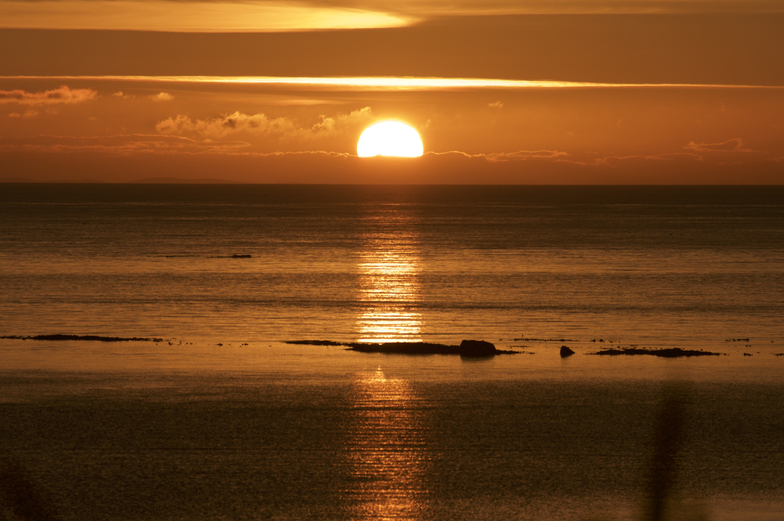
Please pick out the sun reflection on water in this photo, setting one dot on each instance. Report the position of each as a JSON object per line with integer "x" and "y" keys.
{"x": 387, "y": 454}
{"x": 389, "y": 287}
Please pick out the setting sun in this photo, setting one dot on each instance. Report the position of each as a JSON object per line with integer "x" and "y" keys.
{"x": 219, "y": 223}
{"x": 390, "y": 138}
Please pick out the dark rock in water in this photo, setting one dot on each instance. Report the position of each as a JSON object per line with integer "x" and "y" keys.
{"x": 476, "y": 348}
{"x": 565, "y": 351}
{"x": 241, "y": 256}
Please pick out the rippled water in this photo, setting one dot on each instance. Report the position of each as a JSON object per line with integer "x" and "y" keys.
{"x": 222, "y": 420}
{"x": 662, "y": 266}
{"x": 377, "y": 445}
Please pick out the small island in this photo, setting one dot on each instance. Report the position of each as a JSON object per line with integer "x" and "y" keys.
{"x": 467, "y": 348}
{"x": 670, "y": 352}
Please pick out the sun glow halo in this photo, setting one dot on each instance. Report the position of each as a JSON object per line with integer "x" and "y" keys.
{"x": 390, "y": 138}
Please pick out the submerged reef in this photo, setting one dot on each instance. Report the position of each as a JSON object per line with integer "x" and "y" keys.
{"x": 671, "y": 352}
{"x": 315, "y": 343}
{"x": 467, "y": 348}
{"x": 93, "y": 338}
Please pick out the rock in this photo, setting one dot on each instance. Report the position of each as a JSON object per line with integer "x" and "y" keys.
{"x": 565, "y": 351}
{"x": 476, "y": 348}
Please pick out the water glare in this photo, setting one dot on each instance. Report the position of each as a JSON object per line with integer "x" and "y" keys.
{"x": 386, "y": 448}
{"x": 389, "y": 281}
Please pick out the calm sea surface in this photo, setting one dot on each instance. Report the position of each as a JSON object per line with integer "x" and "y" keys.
{"x": 223, "y": 420}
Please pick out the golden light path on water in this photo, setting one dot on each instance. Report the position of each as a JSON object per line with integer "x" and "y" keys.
{"x": 387, "y": 437}
{"x": 389, "y": 286}
{"x": 389, "y": 290}
{"x": 387, "y": 454}
{"x": 379, "y": 82}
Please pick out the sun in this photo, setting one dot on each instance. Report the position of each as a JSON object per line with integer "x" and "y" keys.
{"x": 390, "y": 138}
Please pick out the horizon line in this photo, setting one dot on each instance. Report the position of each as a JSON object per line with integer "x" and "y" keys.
{"x": 213, "y": 181}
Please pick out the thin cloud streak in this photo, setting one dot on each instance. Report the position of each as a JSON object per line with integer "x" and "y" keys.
{"x": 121, "y": 144}
{"x": 389, "y": 83}
{"x": 731, "y": 145}
{"x": 198, "y": 16}
{"x": 503, "y": 157}
{"x": 222, "y": 15}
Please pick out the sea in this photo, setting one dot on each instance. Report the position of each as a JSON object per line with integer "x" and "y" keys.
{"x": 210, "y": 413}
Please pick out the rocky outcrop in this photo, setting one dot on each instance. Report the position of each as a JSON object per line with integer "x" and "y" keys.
{"x": 468, "y": 348}
{"x": 565, "y": 351}
{"x": 474, "y": 348}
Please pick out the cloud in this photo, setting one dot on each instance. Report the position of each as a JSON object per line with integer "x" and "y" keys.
{"x": 237, "y": 15}
{"x": 522, "y": 155}
{"x": 29, "y": 113}
{"x": 189, "y": 16}
{"x": 503, "y": 157}
{"x": 261, "y": 124}
{"x": 396, "y": 83}
{"x": 731, "y": 145}
{"x": 161, "y": 96}
{"x": 341, "y": 122}
{"x": 63, "y": 95}
{"x": 130, "y": 144}
{"x": 496, "y": 105}
{"x": 616, "y": 161}
{"x": 228, "y": 124}
{"x": 694, "y": 155}
{"x": 419, "y": 8}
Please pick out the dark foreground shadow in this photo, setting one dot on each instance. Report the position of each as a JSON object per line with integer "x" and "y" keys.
{"x": 20, "y": 498}
{"x": 668, "y": 438}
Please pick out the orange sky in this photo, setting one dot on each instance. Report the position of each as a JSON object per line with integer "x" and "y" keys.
{"x": 680, "y": 92}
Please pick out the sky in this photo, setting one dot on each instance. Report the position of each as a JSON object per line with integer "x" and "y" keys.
{"x": 501, "y": 91}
